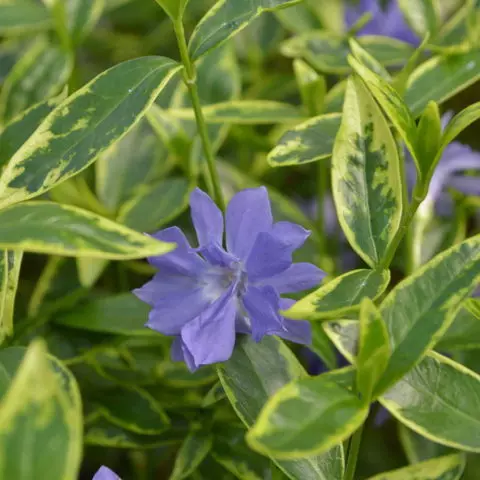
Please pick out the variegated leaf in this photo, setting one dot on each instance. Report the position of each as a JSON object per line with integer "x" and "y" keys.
{"x": 366, "y": 176}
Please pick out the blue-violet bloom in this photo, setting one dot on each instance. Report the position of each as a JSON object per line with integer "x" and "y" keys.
{"x": 451, "y": 172}
{"x": 204, "y": 296}
{"x": 387, "y": 21}
{"x": 105, "y": 473}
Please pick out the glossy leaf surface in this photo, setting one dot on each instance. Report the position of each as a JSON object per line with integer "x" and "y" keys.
{"x": 84, "y": 126}
{"x": 373, "y": 349}
{"x": 16, "y": 133}
{"x": 121, "y": 314}
{"x": 41, "y": 414}
{"x": 440, "y": 78}
{"x": 252, "y": 375}
{"x": 40, "y": 74}
{"x": 10, "y": 262}
{"x": 305, "y": 417}
{"x": 226, "y": 18}
{"x": 22, "y": 16}
{"x": 444, "y": 468}
{"x": 365, "y": 176}
{"x": 193, "y": 451}
{"x": 155, "y": 205}
{"x": 341, "y": 295}
{"x": 62, "y": 230}
{"x": 244, "y": 112}
{"x": 419, "y": 310}
{"x": 308, "y": 142}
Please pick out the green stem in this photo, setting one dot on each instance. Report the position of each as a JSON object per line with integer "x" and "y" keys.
{"x": 353, "y": 454}
{"x": 406, "y": 221}
{"x": 190, "y": 81}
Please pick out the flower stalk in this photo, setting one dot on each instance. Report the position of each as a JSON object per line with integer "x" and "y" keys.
{"x": 191, "y": 82}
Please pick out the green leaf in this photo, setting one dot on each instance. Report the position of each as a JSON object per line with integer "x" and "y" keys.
{"x": 464, "y": 332}
{"x": 121, "y": 314}
{"x": 243, "y": 112}
{"x": 307, "y": 416}
{"x": 430, "y": 134}
{"x": 373, "y": 349}
{"x": 56, "y": 229}
{"x": 438, "y": 398}
{"x": 312, "y": 86}
{"x": 440, "y": 78}
{"x": 392, "y": 104}
{"x": 450, "y": 467}
{"x": 84, "y": 126}
{"x": 193, "y": 451}
{"x": 252, "y": 375}
{"x": 418, "y": 448}
{"x": 10, "y": 262}
{"x": 366, "y": 59}
{"x": 81, "y": 17}
{"x": 231, "y": 451}
{"x": 175, "y": 9}
{"x": 90, "y": 270}
{"x": 307, "y": 142}
{"x": 456, "y": 126}
{"x": 419, "y": 309}
{"x": 41, "y": 416}
{"x": 341, "y": 295}
{"x": 16, "y": 133}
{"x": 133, "y": 409}
{"x": 225, "y": 19}
{"x": 104, "y": 434}
{"x": 155, "y": 205}
{"x": 127, "y": 165}
{"x": 323, "y": 347}
{"x": 328, "y": 52}
{"x": 22, "y": 16}
{"x": 366, "y": 176}
{"x": 74, "y": 19}
{"x": 422, "y": 15}
{"x": 40, "y": 74}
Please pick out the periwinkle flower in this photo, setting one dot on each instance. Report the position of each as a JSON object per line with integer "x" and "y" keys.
{"x": 105, "y": 473}
{"x": 204, "y": 296}
{"x": 451, "y": 172}
{"x": 387, "y": 20}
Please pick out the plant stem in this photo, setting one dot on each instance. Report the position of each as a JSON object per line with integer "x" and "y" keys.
{"x": 190, "y": 81}
{"x": 406, "y": 221}
{"x": 353, "y": 454}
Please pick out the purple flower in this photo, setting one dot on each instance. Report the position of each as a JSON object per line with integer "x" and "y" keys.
{"x": 204, "y": 296}
{"x": 105, "y": 473}
{"x": 387, "y": 21}
{"x": 451, "y": 172}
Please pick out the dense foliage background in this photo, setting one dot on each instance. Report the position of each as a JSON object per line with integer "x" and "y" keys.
{"x": 144, "y": 415}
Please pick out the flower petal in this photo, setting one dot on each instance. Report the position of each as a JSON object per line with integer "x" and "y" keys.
{"x": 164, "y": 284}
{"x": 248, "y": 214}
{"x": 172, "y": 312}
{"x": 210, "y": 337}
{"x": 468, "y": 185}
{"x": 262, "y": 305}
{"x": 269, "y": 256}
{"x": 296, "y": 278}
{"x": 297, "y": 331}
{"x": 207, "y": 218}
{"x": 180, "y": 353}
{"x": 105, "y": 473}
{"x": 216, "y": 255}
{"x": 290, "y": 233}
{"x": 183, "y": 260}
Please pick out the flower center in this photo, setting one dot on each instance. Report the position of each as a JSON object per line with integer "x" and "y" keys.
{"x": 218, "y": 279}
